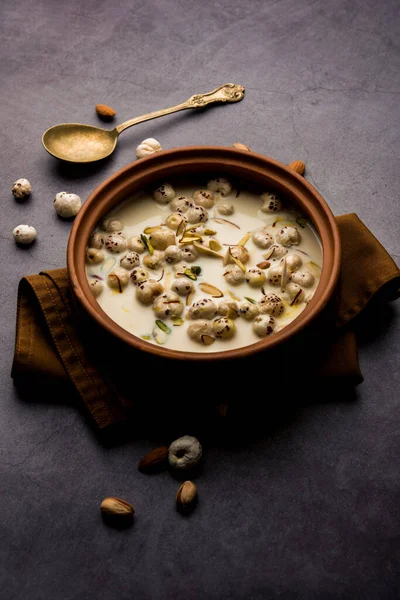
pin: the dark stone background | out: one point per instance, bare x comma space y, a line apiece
306, 503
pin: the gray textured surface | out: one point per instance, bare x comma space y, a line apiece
307, 509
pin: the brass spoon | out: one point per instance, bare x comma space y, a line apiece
77, 143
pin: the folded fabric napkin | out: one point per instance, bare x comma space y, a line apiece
57, 348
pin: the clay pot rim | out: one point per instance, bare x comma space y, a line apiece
212, 159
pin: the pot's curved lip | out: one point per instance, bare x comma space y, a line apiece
76, 263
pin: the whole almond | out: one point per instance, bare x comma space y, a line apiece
299, 166
186, 494
240, 146
104, 111
154, 460
116, 507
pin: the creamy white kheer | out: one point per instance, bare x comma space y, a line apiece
204, 266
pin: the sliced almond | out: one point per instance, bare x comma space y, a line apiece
189, 298
181, 228
207, 288
284, 277
316, 269
190, 238
206, 250
244, 240
232, 295
264, 264
209, 232
237, 261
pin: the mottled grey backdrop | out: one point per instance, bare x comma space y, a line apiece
307, 508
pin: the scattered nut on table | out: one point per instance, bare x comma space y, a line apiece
24, 234
67, 205
186, 495
21, 188
116, 507
147, 147
185, 452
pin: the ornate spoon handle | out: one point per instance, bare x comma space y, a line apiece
229, 92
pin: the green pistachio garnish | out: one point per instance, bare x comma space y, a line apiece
163, 326
302, 222
189, 273
250, 300
195, 269
177, 321
147, 243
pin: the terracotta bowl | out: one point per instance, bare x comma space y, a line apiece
182, 162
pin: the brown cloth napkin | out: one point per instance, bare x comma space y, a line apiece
56, 348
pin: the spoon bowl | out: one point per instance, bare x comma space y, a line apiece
74, 142
77, 143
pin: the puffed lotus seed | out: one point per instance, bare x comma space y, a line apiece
225, 208
139, 275
275, 252
182, 286
96, 240
224, 328
168, 305
189, 253
185, 453
304, 278
263, 325
262, 238
67, 205
147, 291
173, 254
248, 310
288, 236
204, 198
118, 278
293, 262
130, 260
94, 256
24, 234
255, 277
293, 294
234, 275
136, 244
221, 185
271, 304
155, 260
112, 225
116, 242
161, 238
96, 287
198, 329
174, 220
271, 202
21, 189
197, 214
239, 252
228, 308
275, 275
164, 194
181, 204
147, 147
205, 308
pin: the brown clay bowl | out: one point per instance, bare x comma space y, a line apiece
255, 169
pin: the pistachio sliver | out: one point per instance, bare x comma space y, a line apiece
215, 245
302, 222
251, 300
195, 269
147, 243
222, 221
244, 240
209, 232
189, 273
146, 337
314, 267
151, 229
207, 340
177, 321
206, 250
284, 276
161, 325
207, 288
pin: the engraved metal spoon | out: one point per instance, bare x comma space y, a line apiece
77, 143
